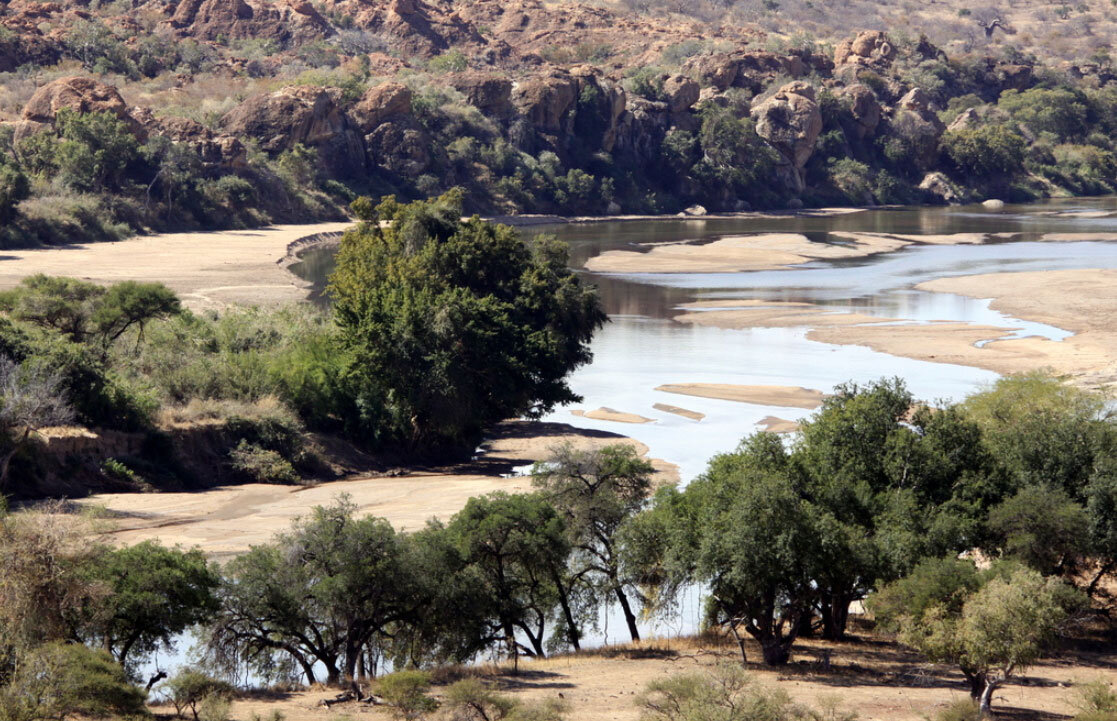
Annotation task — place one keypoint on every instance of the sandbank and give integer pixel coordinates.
(228, 520)
(737, 315)
(206, 269)
(609, 414)
(693, 415)
(763, 251)
(780, 396)
(774, 424)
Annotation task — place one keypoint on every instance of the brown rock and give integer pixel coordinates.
(790, 121)
(491, 94)
(870, 48)
(682, 93)
(82, 95)
(719, 71)
(968, 119)
(399, 146)
(213, 149)
(305, 115)
(283, 21)
(380, 103)
(864, 108)
(546, 100)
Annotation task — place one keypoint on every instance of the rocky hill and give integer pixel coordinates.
(228, 112)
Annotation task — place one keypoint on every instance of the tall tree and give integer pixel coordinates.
(597, 491)
(454, 325)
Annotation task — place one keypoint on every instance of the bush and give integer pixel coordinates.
(14, 187)
(963, 709)
(262, 465)
(985, 153)
(199, 692)
(407, 693)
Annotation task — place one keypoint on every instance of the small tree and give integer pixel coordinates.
(596, 492)
(408, 693)
(991, 624)
(30, 398)
(190, 688)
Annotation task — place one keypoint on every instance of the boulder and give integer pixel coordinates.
(969, 118)
(400, 147)
(864, 108)
(993, 204)
(80, 94)
(939, 186)
(790, 121)
(917, 102)
(718, 71)
(380, 103)
(491, 94)
(546, 100)
(869, 48)
(681, 93)
(696, 211)
(302, 114)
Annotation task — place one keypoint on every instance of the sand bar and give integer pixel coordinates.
(206, 269)
(774, 424)
(737, 315)
(764, 251)
(781, 396)
(693, 415)
(609, 414)
(226, 521)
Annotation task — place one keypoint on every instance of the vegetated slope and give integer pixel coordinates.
(252, 111)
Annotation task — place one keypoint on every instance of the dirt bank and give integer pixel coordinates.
(227, 520)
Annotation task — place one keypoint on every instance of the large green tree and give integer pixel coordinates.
(454, 325)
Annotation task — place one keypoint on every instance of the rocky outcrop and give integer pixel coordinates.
(399, 147)
(790, 121)
(869, 48)
(915, 119)
(79, 94)
(491, 94)
(546, 100)
(938, 186)
(969, 118)
(381, 103)
(863, 108)
(284, 21)
(301, 115)
(213, 149)
(754, 70)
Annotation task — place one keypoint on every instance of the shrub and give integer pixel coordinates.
(407, 693)
(985, 153)
(452, 61)
(963, 709)
(14, 187)
(199, 692)
(262, 465)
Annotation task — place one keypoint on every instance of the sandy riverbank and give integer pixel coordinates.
(207, 270)
(226, 521)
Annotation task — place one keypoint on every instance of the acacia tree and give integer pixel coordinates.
(597, 491)
(454, 325)
(516, 545)
(320, 593)
(991, 624)
(31, 398)
(154, 593)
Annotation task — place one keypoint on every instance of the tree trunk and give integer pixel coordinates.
(740, 643)
(572, 631)
(986, 703)
(776, 652)
(629, 616)
(835, 617)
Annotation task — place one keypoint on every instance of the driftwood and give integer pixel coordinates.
(340, 698)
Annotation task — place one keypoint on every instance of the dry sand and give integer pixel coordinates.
(765, 251)
(226, 521)
(1081, 301)
(872, 676)
(781, 396)
(609, 414)
(774, 424)
(207, 270)
(693, 415)
(737, 315)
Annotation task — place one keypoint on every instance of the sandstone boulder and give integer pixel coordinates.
(303, 114)
(80, 94)
(380, 103)
(969, 118)
(790, 121)
(869, 48)
(681, 93)
(284, 21)
(491, 94)
(864, 108)
(939, 187)
(213, 149)
(400, 147)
